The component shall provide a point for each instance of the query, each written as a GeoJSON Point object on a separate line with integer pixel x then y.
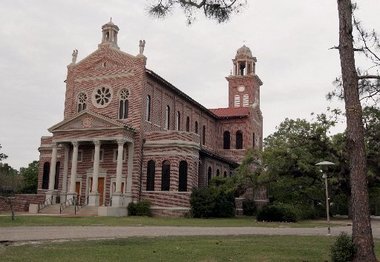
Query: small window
{"type": "Point", "coordinates": [217, 172]}
{"type": "Point", "coordinates": [167, 118]}
{"type": "Point", "coordinates": [187, 124]}
{"type": "Point", "coordinates": [204, 135]}
{"type": "Point", "coordinates": [82, 102]}
{"type": "Point", "coordinates": [148, 108]}
{"type": "Point", "coordinates": [226, 140]}
{"type": "Point", "coordinates": [196, 127]}
{"type": "Point", "coordinates": [182, 183]}
{"type": "Point", "coordinates": [150, 175]}
{"type": "Point", "coordinates": [239, 140]}
{"type": "Point", "coordinates": [80, 156]}
{"type": "Point", "coordinates": [253, 140]}
{"type": "Point", "coordinates": [165, 176]}
{"type": "Point", "coordinates": [123, 104]}
{"type": "Point", "coordinates": [178, 121]}
{"type": "Point", "coordinates": [225, 174]}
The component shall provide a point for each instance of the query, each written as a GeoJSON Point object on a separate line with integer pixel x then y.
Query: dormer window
{"type": "Point", "coordinates": [82, 102]}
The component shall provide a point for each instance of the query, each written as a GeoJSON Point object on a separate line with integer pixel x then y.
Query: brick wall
{"type": "Point", "coordinates": [21, 202]}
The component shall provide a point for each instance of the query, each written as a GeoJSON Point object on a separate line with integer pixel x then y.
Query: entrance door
{"type": "Point", "coordinates": [101, 190]}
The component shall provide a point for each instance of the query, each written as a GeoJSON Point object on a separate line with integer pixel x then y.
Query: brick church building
{"type": "Point", "coordinates": [127, 134]}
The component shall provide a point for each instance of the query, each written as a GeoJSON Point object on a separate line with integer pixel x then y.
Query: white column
{"type": "Point", "coordinates": [119, 167]}
{"type": "Point", "coordinates": [74, 164]}
{"type": "Point", "coordinates": [246, 68]}
{"type": "Point", "coordinates": [53, 164]}
{"type": "Point", "coordinates": [65, 172]}
{"type": "Point", "coordinates": [117, 197]}
{"type": "Point", "coordinates": [94, 195]}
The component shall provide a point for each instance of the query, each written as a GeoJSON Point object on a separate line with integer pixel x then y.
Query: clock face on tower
{"type": "Point", "coordinates": [241, 88]}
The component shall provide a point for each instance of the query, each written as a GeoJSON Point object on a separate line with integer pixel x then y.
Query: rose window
{"type": "Point", "coordinates": [124, 94]}
{"type": "Point", "coordinates": [102, 97]}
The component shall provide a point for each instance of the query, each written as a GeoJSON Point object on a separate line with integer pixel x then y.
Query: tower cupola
{"type": "Point", "coordinates": [109, 34]}
{"type": "Point", "coordinates": [244, 62]}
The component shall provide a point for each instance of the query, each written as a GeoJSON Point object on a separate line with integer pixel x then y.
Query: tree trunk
{"type": "Point", "coordinates": [361, 223]}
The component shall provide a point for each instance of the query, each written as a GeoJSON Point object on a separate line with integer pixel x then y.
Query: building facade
{"type": "Point", "coordinates": [128, 134]}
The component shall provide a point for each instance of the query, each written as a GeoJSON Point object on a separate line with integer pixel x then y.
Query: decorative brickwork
{"type": "Point", "coordinates": [119, 116]}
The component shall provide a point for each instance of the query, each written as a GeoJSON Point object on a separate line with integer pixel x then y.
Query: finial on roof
{"type": "Point", "coordinates": [111, 19]}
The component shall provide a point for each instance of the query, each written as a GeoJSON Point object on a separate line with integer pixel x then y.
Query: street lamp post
{"type": "Point", "coordinates": [326, 163]}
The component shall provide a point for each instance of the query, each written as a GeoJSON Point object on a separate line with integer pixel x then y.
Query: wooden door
{"type": "Point", "coordinates": [101, 190]}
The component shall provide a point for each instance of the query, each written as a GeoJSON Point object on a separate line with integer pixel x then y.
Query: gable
{"type": "Point", "coordinates": [105, 63]}
{"type": "Point", "coordinates": [85, 121]}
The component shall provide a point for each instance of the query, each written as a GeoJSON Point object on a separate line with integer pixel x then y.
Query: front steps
{"type": "Point", "coordinates": [69, 210]}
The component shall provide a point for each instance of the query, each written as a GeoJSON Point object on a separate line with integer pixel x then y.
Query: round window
{"type": "Point", "coordinates": [101, 96]}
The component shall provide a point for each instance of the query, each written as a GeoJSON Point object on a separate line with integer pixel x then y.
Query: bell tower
{"type": "Point", "coordinates": [109, 35]}
{"type": "Point", "coordinates": [243, 83]}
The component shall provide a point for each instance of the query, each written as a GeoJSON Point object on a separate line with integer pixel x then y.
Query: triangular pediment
{"type": "Point", "coordinates": [87, 120]}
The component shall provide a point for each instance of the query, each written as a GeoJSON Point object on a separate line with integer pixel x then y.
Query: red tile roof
{"type": "Point", "coordinates": [231, 112]}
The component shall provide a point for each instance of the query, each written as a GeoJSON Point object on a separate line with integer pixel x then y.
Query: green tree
{"type": "Point", "coordinates": [219, 10]}
{"type": "Point", "coordinates": [10, 183]}
{"type": "Point", "coordinates": [30, 178]}
{"type": "Point", "coordinates": [2, 155]}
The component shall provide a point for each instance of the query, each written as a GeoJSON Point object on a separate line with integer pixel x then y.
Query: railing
{"type": "Point", "coordinates": [47, 202]}
{"type": "Point", "coordinates": [77, 205]}
{"type": "Point", "coordinates": [68, 202]}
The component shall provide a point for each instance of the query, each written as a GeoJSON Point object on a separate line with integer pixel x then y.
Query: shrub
{"type": "Point", "coordinates": [212, 202]}
{"type": "Point", "coordinates": [141, 208]}
{"type": "Point", "coordinates": [249, 207]}
{"type": "Point", "coordinates": [276, 213]}
{"type": "Point", "coordinates": [343, 249]}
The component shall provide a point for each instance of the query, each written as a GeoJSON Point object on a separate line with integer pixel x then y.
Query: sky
{"type": "Point", "coordinates": [290, 39]}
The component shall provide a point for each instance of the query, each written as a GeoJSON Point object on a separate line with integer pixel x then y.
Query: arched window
{"type": "Point", "coordinates": [56, 179]}
{"type": "Point", "coordinates": [226, 140]}
{"type": "Point", "coordinates": [217, 172]}
{"type": "Point", "coordinates": [123, 103]}
{"type": "Point", "coordinates": [167, 117]}
{"type": "Point", "coordinates": [225, 174]}
{"type": "Point", "coordinates": [196, 127]}
{"type": "Point", "coordinates": [182, 183]}
{"type": "Point", "coordinates": [204, 135]}
{"type": "Point", "coordinates": [187, 124]}
{"type": "Point", "coordinates": [150, 173]}
{"type": "Point", "coordinates": [253, 140]}
{"type": "Point", "coordinates": [82, 102]}
{"type": "Point", "coordinates": [178, 121]}
{"type": "Point", "coordinates": [148, 108]}
{"type": "Point", "coordinates": [237, 100]}
{"type": "Point", "coordinates": [45, 176]}
{"type": "Point", "coordinates": [239, 139]}
{"type": "Point", "coordinates": [209, 175]}
{"type": "Point", "coordinates": [245, 100]}
{"type": "Point", "coordinates": [165, 176]}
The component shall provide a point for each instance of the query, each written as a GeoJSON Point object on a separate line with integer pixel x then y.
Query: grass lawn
{"type": "Point", "coordinates": [5, 221]}
{"type": "Point", "coordinates": [231, 248]}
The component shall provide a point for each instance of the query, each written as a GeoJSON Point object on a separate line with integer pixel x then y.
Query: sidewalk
{"type": "Point", "coordinates": [95, 232]}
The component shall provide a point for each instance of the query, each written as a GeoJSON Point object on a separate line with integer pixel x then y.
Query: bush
{"type": "Point", "coordinates": [141, 208]}
{"type": "Point", "coordinates": [343, 249]}
{"type": "Point", "coordinates": [212, 202]}
{"type": "Point", "coordinates": [276, 213]}
{"type": "Point", "coordinates": [249, 207]}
